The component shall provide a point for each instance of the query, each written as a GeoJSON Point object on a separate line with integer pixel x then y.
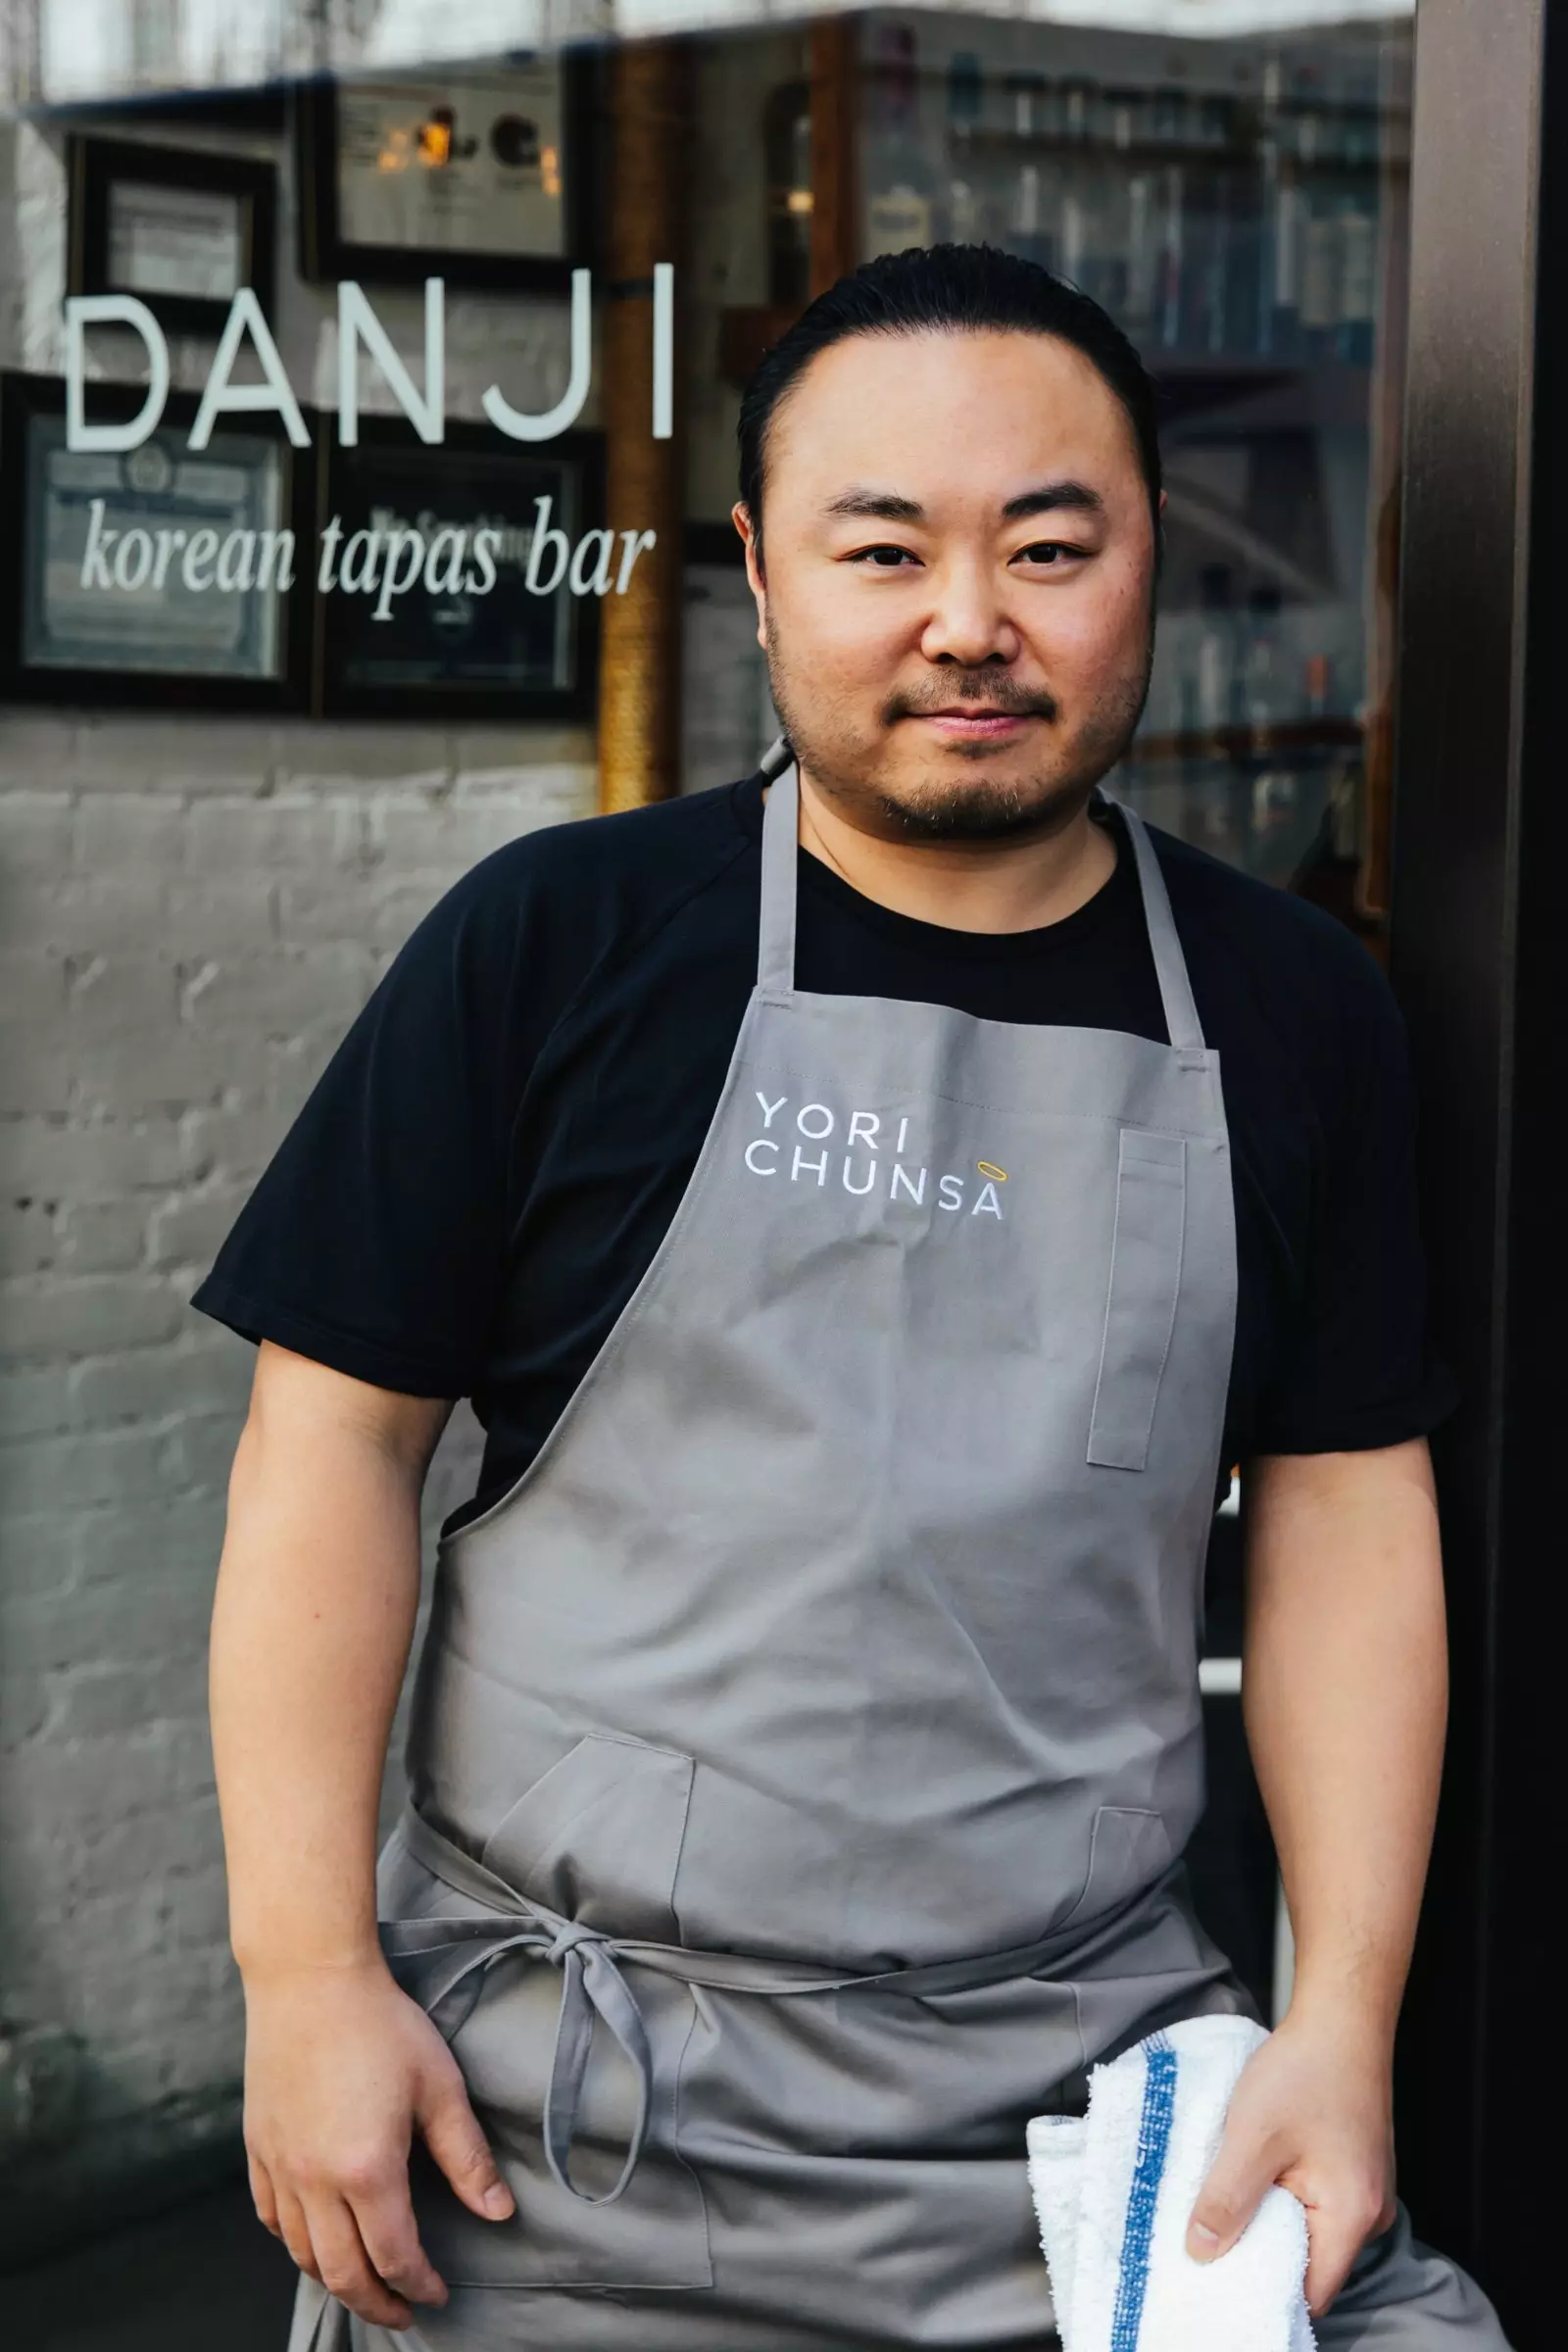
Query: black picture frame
{"type": "Point", "coordinates": [32, 411]}
{"type": "Point", "coordinates": [457, 655]}
{"type": "Point", "coordinates": [94, 167]}
{"type": "Point", "coordinates": [326, 254]}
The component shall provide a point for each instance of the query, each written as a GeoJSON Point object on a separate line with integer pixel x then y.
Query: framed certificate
{"type": "Point", "coordinates": [462, 580]}
{"type": "Point", "coordinates": [161, 576]}
{"type": "Point", "coordinates": [180, 227]}
{"type": "Point", "coordinates": [476, 177]}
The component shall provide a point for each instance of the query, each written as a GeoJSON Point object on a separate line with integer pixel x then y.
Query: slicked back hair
{"type": "Point", "coordinates": [946, 289]}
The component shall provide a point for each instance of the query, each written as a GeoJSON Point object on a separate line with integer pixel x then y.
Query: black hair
{"type": "Point", "coordinates": [972, 289]}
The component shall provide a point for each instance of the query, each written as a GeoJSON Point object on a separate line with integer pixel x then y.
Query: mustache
{"type": "Point", "coordinates": [984, 692]}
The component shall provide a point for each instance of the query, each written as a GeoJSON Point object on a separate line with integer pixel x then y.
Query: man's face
{"type": "Point", "coordinates": [958, 580]}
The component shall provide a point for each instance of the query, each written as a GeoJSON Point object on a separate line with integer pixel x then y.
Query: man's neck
{"type": "Point", "coordinates": [997, 885]}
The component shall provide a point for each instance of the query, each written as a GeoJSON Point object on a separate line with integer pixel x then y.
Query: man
{"type": "Point", "coordinates": [826, 1190]}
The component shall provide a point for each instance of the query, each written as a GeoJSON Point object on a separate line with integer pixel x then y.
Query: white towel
{"type": "Point", "coordinates": [1114, 2191]}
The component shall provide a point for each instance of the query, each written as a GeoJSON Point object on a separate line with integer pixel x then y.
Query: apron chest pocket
{"type": "Point", "coordinates": [1146, 1276]}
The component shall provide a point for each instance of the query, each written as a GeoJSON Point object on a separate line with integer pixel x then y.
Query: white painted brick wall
{"type": "Point", "coordinates": [191, 913]}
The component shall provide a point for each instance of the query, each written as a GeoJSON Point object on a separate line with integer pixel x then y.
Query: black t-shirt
{"type": "Point", "coordinates": [484, 1172]}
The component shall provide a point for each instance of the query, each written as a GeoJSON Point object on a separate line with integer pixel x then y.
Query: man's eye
{"type": "Point", "coordinates": [887, 559]}
{"type": "Point", "coordinates": [1048, 551]}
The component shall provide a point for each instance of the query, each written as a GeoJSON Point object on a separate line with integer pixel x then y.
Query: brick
{"type": "Point", "coordinates": [204, 1452]}
{"type": "Point", "coordinates": [140, 1623]}
{"type": "Point", "coordinates": [535, 750]}
{"type": "Point", "coordinates": [189, 1231]}
{"type": "Point", "coordinates": [215, 918]}
{"type": "Point", "coordinates": [296, 834]}
{"type": "Point", "coordinates": [50, 1157]}
{"type": "Point", "coordinates": [537, 795]}
{"type": "Point", "coordinates": [68, 1473]}
{"type": "Point", "coordinates": [122, 995]}
{"type": "Point", "coordinates": [29, 1239]}
{"type": "Point", "coordinates": [120, 832]}
{"type": "Point", "coordinates": [281, 995]}
{"type": "Point", "coordinates": [296, 1064]}
{"type": "Point", "coordinates": [363, 752]}
{"type": "Point", "coordinates": [26, 1707]}
{"type": "Point", "coordinates": [33, 1402]}
{"type": "Point", "coordinates": [100, 1701]}
{"type": "Point", "coordinates": [32, 743]}
{"type": "Point", "coordinates": [35, 829]}
{"type": "Point", "coordinates": [32, 985]}
{"type": "Point", "coordinates": [179, 1536]}
{"type": "Point", "coordinates": [398, 909]}
{"type": "Point", "coordinates": [38, 1553]}
{"type": "Point", "coordinates": [339, 907]}
{"type": "Point", "coordinates": [170, 755]}
{"type": "Point", "coordinates": [231, 1143]}
{"type": "Point", "coordinates": [414, 837]}
{"type": "Point", "coordinates": [85, 916]}
{"type": "Point", "coordinates": [96, 1785]}
{"type": "Point", "coordinates": [103, 1237]}
{"type": "Point", "coordinates": [34, 1074]}
{"type": "Point", "coordinates": [84, 1315]}
{"type": "Point", "coordinates": [172, 1071]}
{"type": "Point", "coordinates": [155, 1384]}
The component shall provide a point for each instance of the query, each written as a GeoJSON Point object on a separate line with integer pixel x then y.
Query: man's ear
{"type": "Point", "coordinates": [741, 517]}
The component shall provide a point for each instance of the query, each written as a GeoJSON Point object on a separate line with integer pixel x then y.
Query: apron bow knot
{"type": "Point", "coordinates": [592, 1987]}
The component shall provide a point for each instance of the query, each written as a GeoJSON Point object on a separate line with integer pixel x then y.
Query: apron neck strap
{"type": "Point", "coordinates": [1170, 965]}
{"type": "Point", "coordinates": [775, 941]}
{"type": "Point", "coordinates": [775, 951]}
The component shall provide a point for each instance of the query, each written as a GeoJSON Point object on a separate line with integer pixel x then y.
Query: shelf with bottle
{"type": "Point", "coordinates": [1210, 224]}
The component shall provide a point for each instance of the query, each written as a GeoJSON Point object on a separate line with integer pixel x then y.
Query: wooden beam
{"type": "Point", "coordinates": [835, 92]}
{"type": "Point", "coordinates": [640, 657]}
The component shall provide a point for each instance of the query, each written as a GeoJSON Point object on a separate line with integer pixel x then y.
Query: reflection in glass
{"type": "Point", "coordinates": [1238, 206]}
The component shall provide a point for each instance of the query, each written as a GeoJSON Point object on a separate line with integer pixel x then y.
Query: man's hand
{"type": "Point", "coordinates": [341, 2069]}
{"type": "Point", "coordinates": [1311, 2111]}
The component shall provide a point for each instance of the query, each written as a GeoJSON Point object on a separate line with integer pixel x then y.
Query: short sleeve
{"type": "Point", "coordinates": [373, 1241]}
{"type": "Point", "coordinates": [1354, 1370]}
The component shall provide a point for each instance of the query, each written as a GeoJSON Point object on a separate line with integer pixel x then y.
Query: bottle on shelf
{"type": "Point", "coordinates": [966, 208]}
{"type": "Point", "coordinates": [1172, 264]}
{"type": "Point", "coordinates": [901, 185]}
{"type": "Point", "coordinates": [787, 150]}
{"type": "Point", "coordinates": [1264, 688]}
{"type": "Point", "coordinates": [1031, 199]}
{"type": "Point", "coordinates": [1216, 680]}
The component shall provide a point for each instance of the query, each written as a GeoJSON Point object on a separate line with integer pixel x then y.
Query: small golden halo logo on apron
{"type": "Point", "coordinates": [989, 1167]}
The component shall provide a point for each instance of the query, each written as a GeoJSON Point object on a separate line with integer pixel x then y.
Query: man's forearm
{"type": "Point", "coordinates": [1345, 1693]}
{"type": "Point", "coordinates": [314, 1611]}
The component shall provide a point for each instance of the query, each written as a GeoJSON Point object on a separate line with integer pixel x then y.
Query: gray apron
{"type": "Point", "coordinates": [804, 1747]}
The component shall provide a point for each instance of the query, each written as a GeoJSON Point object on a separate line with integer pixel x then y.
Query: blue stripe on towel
{"type": "Point", "coordinates": [1149, 2169]}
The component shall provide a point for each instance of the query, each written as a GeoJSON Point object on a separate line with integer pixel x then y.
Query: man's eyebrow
{"type": "Point", "coordinates": [885, 505]}
{"type": "Point", "coordinates": [1051, 498]}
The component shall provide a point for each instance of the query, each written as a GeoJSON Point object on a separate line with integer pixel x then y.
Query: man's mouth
{"type": "Point", "coordinates": [971, 722]}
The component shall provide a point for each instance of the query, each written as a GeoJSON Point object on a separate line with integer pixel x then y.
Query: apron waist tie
{"type": "Point", "coordinates": [445, 1962]}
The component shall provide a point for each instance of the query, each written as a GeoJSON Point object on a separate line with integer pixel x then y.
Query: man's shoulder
{"type": "Point", "coordinates": [568, 895]}
{"type": "Point", "coordinates": [641, 854]}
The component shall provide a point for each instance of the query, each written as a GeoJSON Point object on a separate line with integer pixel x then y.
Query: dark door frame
{"type": "Point", "coordinates": [1478, 939]}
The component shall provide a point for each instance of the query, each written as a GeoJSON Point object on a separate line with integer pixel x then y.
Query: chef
{"type": "Point", "coordinates": [869, 1207]}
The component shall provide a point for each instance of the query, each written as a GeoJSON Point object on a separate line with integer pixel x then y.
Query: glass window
{"type": "Point", "coordinates": [368, 383]}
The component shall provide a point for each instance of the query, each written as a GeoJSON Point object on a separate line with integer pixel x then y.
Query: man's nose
{"type": "Point", "coordinates": [968, 621]}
